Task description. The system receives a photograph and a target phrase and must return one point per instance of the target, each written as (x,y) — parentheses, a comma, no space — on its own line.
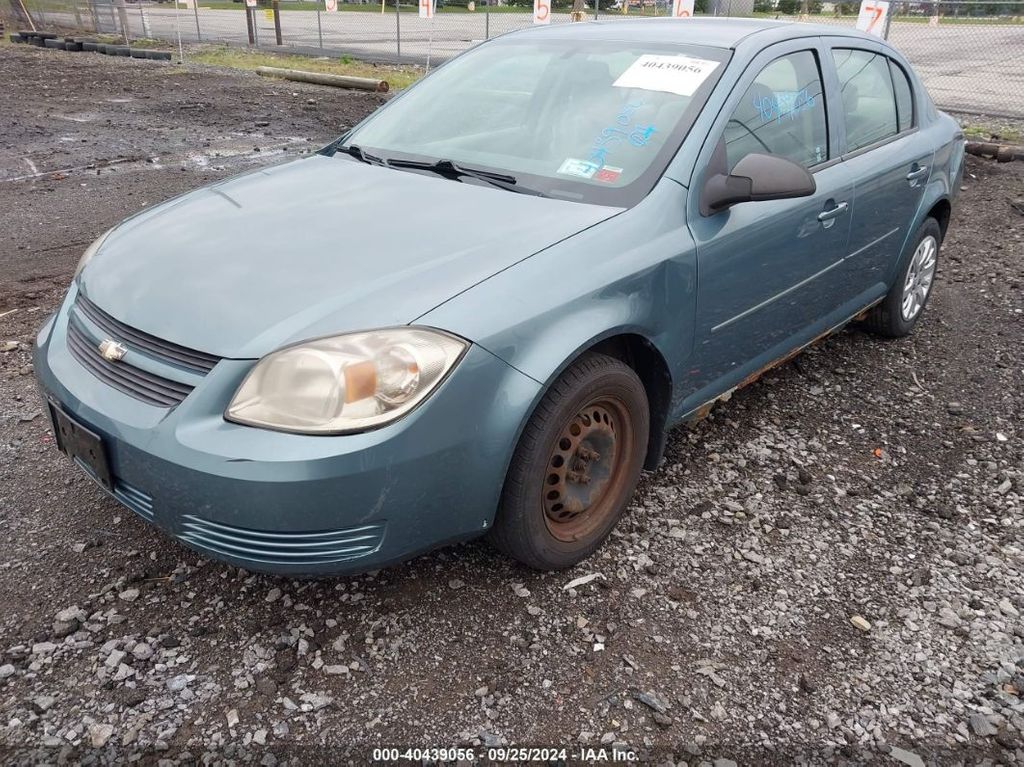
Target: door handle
(838,210)
(917,173)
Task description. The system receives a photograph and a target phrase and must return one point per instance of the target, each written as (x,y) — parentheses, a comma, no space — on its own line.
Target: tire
(576,465)
(892,318)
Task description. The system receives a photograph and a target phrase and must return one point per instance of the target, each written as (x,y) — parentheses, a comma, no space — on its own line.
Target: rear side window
(904,96)
(782,112)
(869,104)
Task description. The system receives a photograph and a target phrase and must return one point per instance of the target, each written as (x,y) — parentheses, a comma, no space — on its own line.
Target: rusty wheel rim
(587,469)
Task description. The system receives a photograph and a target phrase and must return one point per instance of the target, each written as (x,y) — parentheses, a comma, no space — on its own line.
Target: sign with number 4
(427,9)
(874,17)
(682,9)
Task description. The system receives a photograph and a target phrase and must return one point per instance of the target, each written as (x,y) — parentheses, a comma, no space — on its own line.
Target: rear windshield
(593,121)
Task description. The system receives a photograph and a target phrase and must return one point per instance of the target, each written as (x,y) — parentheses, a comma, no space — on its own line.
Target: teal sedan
(480,310)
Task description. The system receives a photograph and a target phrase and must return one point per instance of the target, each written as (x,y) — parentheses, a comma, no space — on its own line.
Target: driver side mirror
(756,177)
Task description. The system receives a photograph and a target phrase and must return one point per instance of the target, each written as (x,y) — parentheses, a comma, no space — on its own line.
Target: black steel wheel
(576,466)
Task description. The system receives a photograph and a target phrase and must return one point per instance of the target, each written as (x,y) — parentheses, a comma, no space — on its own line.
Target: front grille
(282,548)
(140,384)
(164,351)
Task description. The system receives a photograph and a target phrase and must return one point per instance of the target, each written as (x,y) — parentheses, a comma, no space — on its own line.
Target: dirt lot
(871,479)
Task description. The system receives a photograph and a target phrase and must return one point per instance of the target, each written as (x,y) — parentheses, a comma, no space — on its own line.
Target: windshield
(587,120)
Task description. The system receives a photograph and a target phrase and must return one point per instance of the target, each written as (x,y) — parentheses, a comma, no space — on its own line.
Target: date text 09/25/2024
(499,754)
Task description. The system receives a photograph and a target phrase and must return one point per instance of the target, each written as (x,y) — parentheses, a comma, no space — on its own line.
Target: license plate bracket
(82,445)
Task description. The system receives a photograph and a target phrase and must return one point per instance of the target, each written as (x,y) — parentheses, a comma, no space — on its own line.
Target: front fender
(634,273)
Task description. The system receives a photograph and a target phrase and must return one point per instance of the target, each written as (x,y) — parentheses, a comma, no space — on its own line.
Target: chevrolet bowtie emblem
(112,351)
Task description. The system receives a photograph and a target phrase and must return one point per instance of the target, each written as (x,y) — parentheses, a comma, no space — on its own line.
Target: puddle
(214,158)
(82,117)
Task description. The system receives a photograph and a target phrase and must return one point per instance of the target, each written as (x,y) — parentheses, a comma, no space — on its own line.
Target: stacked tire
(76,44)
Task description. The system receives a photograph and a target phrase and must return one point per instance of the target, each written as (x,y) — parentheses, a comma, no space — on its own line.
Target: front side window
(869,105)
(589,120)
(782,112)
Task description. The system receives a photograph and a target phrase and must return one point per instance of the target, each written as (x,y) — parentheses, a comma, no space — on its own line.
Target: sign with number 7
(873,17)
(541,11)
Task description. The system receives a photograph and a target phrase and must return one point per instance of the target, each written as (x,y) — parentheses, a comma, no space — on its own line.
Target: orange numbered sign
(874,17)
(426,9)
(541,11)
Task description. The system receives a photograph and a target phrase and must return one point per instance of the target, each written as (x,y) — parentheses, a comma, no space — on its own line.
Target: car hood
(313,247)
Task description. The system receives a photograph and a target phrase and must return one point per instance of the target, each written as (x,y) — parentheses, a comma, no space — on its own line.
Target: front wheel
(576,466)
(903,306)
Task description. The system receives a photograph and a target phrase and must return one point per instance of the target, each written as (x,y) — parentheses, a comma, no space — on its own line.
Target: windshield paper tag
(681,75)
(578,168)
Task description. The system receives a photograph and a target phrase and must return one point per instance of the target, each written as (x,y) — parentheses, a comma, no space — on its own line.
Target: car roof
(707,31)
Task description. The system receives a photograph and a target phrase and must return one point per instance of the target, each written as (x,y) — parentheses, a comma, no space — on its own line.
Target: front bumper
(296,504)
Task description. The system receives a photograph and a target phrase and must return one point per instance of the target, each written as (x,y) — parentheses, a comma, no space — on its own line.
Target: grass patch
(151,44)
(397,77)
(992,132)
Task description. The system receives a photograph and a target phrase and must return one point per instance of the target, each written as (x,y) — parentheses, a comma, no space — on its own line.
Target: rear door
(768,272)
(888,156)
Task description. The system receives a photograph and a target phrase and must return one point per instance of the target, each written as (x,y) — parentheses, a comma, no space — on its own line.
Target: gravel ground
(827,567)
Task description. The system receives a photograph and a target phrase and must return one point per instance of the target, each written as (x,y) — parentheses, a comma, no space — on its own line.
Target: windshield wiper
(356,151)
(452,170)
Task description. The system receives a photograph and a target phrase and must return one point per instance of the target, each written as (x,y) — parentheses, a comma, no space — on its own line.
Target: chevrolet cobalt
(479,311)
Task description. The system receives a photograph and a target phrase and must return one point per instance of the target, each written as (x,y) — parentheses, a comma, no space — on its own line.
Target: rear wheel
(903,306)
(576,465)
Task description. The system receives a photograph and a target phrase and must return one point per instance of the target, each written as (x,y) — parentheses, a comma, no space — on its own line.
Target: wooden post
(277,20)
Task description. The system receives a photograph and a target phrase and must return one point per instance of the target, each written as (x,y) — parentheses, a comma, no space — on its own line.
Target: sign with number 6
(541,11)
(682,9)
(873,17)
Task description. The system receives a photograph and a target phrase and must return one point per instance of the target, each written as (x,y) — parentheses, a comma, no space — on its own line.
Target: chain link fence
(970,53)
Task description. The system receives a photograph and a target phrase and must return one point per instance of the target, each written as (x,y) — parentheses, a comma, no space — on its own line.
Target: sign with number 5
(682,9)
(541,11)
(874,17)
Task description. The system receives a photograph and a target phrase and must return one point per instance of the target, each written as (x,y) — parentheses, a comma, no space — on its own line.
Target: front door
(768,272)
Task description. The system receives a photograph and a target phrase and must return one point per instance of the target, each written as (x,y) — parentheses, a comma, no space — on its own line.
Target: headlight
(90,252)
(345,383)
